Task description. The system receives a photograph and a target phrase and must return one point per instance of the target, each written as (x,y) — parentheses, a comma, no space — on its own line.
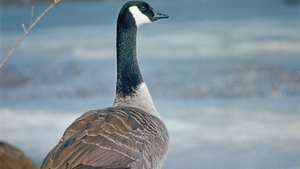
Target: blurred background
(225,75)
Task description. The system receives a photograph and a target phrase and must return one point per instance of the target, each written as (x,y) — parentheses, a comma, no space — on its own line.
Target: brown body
(13,158)
(111,138)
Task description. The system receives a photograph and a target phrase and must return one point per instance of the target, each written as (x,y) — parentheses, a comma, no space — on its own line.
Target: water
(225,76)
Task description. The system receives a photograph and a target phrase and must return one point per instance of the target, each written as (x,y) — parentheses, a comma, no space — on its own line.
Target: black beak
(158,16)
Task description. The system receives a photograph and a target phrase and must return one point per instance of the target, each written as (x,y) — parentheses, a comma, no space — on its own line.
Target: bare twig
(32,14)
(24,28)
(27,31)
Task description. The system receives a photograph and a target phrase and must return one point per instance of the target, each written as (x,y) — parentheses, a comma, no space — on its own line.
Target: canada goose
(128,135)
(13,158)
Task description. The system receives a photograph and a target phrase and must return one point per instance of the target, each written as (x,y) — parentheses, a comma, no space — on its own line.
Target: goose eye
(143,8)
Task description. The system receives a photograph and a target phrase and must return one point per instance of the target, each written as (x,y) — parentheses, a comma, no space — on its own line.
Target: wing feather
(111,138)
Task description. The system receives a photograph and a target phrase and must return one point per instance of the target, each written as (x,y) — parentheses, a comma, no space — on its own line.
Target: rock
(13,158)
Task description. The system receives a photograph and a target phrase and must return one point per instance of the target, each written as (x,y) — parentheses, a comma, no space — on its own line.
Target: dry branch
(27,31)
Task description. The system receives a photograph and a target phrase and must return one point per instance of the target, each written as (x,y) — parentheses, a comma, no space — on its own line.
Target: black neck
(128,72)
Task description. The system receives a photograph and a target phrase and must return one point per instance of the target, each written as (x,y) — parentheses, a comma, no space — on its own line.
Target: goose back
(111,138)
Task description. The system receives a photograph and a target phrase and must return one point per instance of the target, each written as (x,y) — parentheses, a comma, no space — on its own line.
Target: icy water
(225,76)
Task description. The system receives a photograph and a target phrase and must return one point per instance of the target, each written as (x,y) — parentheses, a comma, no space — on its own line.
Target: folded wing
(111,138)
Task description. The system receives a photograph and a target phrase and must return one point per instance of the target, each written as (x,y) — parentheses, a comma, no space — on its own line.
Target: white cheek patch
(138,16)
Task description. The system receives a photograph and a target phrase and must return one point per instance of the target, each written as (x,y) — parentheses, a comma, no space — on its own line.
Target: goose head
(140,13)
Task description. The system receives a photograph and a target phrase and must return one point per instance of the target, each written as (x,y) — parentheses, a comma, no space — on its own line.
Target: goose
(128,135)
(13,158)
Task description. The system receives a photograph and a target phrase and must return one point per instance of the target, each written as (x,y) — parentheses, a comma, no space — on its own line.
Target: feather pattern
(111,138)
